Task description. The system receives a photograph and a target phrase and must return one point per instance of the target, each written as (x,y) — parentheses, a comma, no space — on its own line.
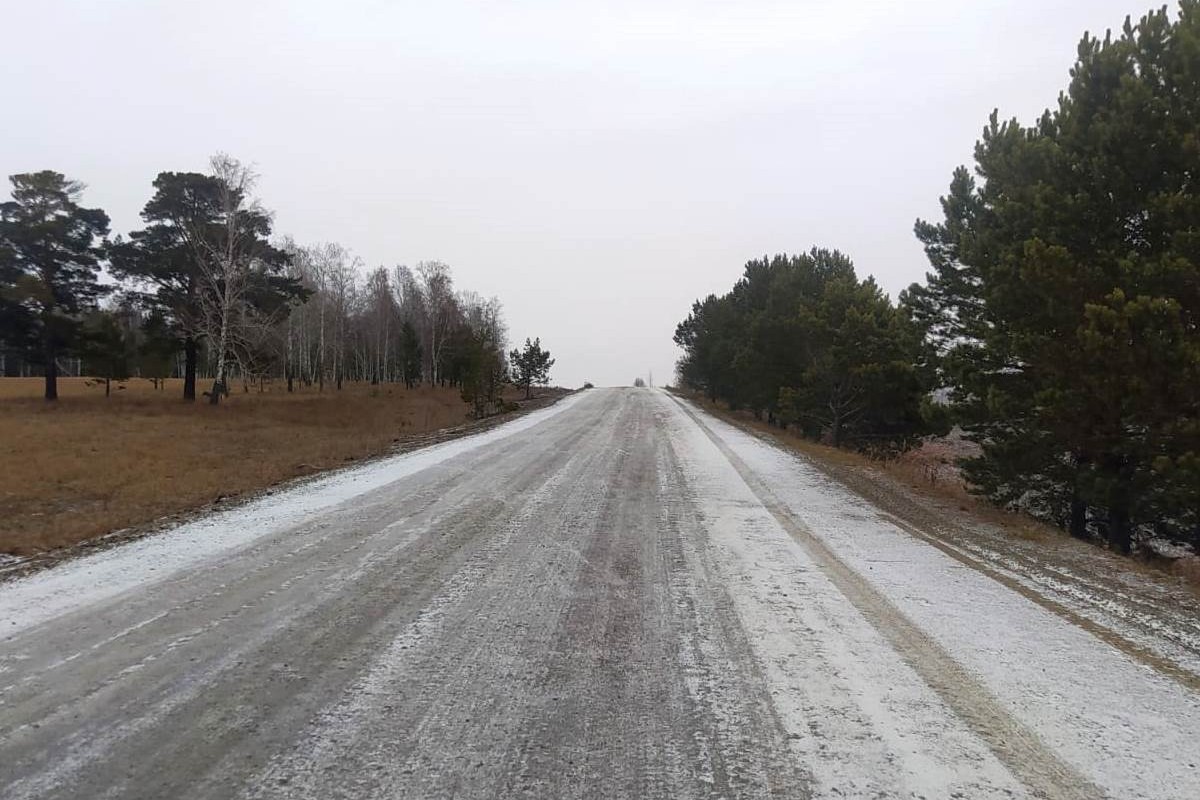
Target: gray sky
(597,166)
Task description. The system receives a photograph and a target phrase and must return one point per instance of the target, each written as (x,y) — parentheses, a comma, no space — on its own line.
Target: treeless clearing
(89,465)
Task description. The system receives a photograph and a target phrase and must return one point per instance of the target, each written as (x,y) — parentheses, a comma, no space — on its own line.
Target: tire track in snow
(1143,655)
(1017,747)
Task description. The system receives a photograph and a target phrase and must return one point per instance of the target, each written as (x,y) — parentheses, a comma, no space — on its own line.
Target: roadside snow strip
(1123,727)
(30,601)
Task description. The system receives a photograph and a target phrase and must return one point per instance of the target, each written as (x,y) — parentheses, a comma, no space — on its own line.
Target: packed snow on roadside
(29,601)
(1128,728)
(860,719)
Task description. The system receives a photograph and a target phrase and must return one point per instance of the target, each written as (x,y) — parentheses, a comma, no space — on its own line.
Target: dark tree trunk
(1077,524)
(1120,534)
(189,369)
(528,390)
(51,369)
(289,380)
(108,387)
(1120,529)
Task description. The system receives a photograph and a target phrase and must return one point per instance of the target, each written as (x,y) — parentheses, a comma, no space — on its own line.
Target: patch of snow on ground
(1168,549)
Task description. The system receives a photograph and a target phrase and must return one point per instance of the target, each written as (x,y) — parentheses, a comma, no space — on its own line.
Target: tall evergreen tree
(167,256)
(1065,296)
(205,258)
(50,256)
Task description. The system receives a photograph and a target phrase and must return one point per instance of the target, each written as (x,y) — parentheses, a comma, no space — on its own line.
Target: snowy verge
(858,717)
(1125,727)
(79,583)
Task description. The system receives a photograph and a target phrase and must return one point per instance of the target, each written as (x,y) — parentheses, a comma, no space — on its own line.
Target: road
(616,597)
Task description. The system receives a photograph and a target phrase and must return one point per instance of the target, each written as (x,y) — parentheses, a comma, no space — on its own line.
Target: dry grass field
(88,465)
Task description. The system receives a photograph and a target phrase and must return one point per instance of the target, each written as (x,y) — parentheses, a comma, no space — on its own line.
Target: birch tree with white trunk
(235,258)
(437,288)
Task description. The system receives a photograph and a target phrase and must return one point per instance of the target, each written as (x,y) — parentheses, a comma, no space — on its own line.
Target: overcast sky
(597,166)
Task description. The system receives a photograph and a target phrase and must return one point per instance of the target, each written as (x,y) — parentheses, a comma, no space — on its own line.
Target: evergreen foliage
(482,373)
(802,340)
(107,349)
(1064,301)
(530,366)
(50,254)
(177,263)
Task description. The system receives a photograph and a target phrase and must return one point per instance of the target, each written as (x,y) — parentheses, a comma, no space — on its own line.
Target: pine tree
(210,271)
(157,348)
(530,366)
(106,349)
(167,257)
(1065,297)
(481,372)
(802,340)
(50,258)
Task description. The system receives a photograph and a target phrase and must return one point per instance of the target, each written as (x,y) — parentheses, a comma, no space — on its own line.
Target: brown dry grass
(88,465)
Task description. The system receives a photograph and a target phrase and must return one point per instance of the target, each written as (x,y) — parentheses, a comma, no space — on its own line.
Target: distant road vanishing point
(619,596)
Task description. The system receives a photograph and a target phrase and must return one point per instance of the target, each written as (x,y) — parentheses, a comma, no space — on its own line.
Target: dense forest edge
(1058,328)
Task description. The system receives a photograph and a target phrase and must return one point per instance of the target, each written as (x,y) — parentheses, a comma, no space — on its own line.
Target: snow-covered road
(618,596)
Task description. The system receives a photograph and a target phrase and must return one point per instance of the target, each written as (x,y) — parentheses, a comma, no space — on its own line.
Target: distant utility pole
(651,379)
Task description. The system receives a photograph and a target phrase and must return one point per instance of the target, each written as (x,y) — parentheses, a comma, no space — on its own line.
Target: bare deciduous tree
(225,264)
(437,288)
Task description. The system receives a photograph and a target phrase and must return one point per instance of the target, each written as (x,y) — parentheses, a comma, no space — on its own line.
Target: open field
(89,464)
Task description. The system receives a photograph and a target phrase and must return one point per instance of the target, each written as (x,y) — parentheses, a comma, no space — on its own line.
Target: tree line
(804,342)
(1059,326)
(204,289)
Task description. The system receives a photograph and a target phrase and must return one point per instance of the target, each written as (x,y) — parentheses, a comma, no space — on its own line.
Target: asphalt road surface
(617,597)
